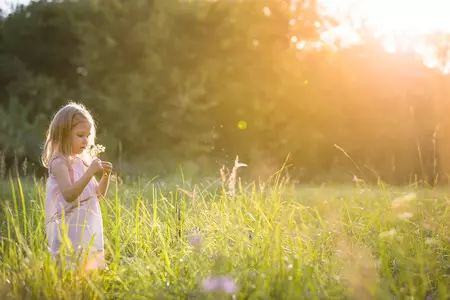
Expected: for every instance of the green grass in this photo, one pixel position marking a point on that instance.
(277, 242)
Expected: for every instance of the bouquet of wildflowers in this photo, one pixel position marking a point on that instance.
(95, 150)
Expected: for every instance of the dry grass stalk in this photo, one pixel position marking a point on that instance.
(229, 179)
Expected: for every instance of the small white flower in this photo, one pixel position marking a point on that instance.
(96, 150)
(400, 201)
(267, 11)
(388, 233)
(405, 216)
(431, 241)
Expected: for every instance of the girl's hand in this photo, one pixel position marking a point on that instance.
(95, 167)
(107, 168)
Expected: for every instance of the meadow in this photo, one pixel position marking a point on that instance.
(178, 84)
(230, 240)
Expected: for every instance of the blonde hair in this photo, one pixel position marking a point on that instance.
(58, 134)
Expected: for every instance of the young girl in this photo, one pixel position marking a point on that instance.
(73, 216)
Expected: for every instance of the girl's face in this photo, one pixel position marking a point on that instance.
(80, 137)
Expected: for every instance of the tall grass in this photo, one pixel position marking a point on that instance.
(272, 241)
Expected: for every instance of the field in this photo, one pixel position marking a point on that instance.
(275, 240)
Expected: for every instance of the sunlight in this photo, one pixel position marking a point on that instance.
(394, 16)
(390, 45)
(447, 68)
(407, 16)
(402, 25)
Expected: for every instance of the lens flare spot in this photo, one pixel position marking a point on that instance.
(242, 125)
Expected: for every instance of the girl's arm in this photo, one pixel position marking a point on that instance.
(70, 191)
(103, 185)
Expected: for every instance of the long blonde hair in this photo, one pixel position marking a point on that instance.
(59, 132)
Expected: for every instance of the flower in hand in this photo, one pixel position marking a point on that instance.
(96, 150)
(107, 168)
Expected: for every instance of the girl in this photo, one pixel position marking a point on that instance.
(72, 210)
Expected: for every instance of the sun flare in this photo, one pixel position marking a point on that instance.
(395, 16)
(402, 25)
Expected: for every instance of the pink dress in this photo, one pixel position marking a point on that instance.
(81, 219)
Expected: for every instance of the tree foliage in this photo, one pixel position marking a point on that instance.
(194, 83)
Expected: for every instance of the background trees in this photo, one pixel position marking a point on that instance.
(194, 83)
